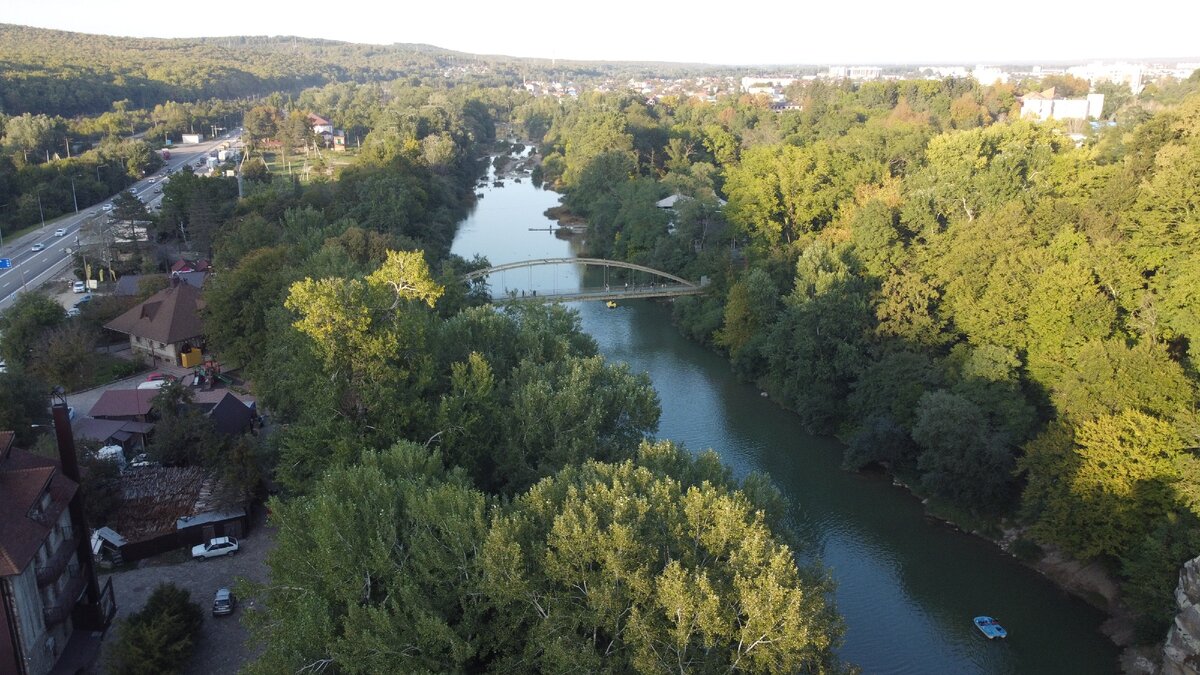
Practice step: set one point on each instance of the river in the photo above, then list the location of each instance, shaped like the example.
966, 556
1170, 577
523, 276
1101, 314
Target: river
907, 586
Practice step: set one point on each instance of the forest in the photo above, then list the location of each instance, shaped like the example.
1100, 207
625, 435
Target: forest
999, 312
60, 73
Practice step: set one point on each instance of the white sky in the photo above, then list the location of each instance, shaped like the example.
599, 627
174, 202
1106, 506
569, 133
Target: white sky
748, 32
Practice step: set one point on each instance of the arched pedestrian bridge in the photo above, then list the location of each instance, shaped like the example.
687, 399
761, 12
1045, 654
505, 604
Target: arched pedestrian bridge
640, 282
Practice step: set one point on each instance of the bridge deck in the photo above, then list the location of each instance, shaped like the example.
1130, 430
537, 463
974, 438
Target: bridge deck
600, 294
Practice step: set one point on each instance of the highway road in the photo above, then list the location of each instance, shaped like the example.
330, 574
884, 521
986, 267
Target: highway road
32, 268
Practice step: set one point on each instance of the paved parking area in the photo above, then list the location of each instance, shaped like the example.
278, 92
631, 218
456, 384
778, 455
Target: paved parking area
221, 646
83, 401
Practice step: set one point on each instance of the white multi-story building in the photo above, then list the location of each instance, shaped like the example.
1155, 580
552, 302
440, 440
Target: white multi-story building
989, 75
854, 72
1047, 105
1130, 74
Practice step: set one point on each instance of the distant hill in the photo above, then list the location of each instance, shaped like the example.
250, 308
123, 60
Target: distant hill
65, 73
59, 72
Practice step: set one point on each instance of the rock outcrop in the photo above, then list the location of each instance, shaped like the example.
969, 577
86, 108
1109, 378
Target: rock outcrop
1181, 654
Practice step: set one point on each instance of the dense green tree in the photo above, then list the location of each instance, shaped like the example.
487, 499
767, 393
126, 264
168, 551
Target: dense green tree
128, 207
24, 326
65, 357
565, 412
376, 570
1110, 377
261, 123
617, 568
1100, 487
183, 435
160, 637
960, 458
24, 402
236, 303
749, 309
816, 347
31, 133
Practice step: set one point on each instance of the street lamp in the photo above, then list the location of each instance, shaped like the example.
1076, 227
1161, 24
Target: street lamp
40, 212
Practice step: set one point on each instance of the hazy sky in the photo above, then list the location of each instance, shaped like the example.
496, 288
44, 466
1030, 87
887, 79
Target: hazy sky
746, 32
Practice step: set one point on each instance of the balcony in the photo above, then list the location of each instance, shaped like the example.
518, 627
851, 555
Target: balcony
49, 571
54, 614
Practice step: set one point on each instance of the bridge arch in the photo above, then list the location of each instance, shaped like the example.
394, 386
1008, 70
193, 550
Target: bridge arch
598, 262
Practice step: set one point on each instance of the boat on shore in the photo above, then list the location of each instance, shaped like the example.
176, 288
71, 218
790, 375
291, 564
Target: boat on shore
611, 304
990, 627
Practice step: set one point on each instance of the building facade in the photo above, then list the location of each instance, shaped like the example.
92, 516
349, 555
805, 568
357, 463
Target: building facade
41, 576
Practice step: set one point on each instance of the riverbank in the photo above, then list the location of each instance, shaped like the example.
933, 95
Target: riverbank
1089, 581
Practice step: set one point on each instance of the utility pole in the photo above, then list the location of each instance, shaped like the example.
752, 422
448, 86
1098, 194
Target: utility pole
40, 212
73, 199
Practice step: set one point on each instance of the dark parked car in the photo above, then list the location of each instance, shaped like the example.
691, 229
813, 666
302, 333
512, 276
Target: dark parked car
224, 602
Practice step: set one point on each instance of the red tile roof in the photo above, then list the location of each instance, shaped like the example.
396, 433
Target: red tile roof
182, 265
24, 477
169, 316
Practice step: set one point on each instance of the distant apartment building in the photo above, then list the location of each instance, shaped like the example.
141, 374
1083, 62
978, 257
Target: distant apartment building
939, 72
1130, 74
854, 72
989, 75
1046, 105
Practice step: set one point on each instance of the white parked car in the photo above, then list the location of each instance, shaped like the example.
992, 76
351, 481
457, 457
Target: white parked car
78, 287
215, 547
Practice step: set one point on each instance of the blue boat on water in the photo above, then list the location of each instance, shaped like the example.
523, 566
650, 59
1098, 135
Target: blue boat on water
990, 627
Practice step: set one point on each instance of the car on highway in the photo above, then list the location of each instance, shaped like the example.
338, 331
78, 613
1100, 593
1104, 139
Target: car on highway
106, 207
223, 602
215, 547
60, 232
38, 247
152, 179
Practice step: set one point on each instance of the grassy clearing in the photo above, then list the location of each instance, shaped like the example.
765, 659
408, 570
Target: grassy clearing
109, 368
279, 166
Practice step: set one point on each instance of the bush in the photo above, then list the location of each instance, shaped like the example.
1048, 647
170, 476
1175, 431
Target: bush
1027, 550
159, 639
